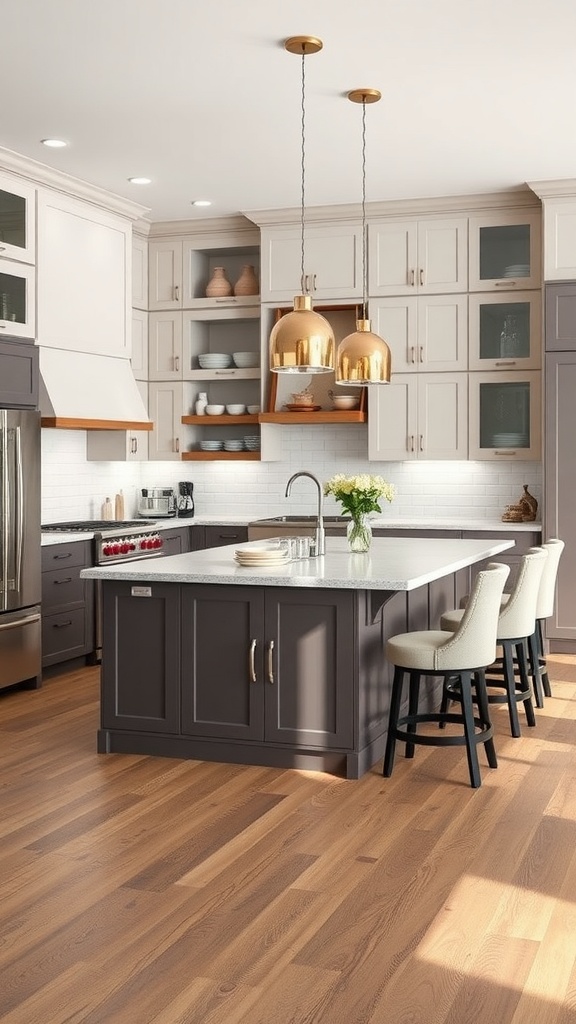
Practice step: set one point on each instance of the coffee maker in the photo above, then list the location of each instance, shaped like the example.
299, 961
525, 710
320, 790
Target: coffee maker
185, 501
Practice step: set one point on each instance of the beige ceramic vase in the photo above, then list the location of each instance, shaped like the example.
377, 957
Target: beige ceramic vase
218, 286
247, 283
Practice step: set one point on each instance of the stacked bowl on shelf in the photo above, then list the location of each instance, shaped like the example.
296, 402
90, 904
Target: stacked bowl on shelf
252, 442
214, 360
211, 446
246, 360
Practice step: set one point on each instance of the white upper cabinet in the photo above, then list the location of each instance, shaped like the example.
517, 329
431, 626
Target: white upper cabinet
332, 267
139, 272
560, 239
505, 251
165, 274
505, 330
84, 277
425, 333
17, 220
426, 256
139, 359
17, 299
418, 418
165, 346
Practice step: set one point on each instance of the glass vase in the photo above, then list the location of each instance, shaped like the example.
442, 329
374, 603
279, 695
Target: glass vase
359, 534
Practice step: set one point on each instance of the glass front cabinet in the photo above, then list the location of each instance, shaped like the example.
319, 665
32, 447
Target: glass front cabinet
17, 221
505, 410
505, 331
505, 252
17, 299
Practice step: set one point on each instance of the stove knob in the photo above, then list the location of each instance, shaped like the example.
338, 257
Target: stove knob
131, 545
157, 542
107, 550
143, 545
116, 549
124, 547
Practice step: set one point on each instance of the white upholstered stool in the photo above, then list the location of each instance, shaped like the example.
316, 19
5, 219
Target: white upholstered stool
516, 623
465, 654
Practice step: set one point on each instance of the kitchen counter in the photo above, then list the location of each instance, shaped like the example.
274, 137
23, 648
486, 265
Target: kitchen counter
206, 659
392, 564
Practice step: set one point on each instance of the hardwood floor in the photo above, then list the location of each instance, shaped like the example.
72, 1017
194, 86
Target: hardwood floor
139, 890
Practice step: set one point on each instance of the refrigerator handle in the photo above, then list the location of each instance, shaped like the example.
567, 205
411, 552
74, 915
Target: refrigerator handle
19, 508
4, 540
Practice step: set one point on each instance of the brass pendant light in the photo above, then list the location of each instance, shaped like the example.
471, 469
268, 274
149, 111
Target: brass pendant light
302, 341
363, 357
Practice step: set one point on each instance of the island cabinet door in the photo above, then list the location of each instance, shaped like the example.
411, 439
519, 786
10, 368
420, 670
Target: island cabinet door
223, 662
141, 662
309, 667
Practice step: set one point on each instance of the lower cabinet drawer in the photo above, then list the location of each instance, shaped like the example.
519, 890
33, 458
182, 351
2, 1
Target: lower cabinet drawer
62, 587
63, 636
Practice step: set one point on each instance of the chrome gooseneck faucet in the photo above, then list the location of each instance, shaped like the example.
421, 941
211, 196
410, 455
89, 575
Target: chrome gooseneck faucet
320, 540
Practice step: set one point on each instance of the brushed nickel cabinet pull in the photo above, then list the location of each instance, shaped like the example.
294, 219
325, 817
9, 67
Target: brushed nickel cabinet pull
506, 284
58, 583
507, 452
176, 292
411, 443
421, 442
412, 279
271, 662
177, 363
421, 353
313, 282
177, 444
507, 362
251, 663
421, 276
412, 354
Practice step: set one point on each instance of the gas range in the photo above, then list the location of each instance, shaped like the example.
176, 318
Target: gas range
115, 540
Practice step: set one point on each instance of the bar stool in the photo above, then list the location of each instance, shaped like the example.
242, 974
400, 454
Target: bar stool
465, 653
516, 623
544, 609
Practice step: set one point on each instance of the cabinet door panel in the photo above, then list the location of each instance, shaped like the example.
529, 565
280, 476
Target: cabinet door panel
442, 416
165, 275
220, 694
165, 408
165, 346
561, 317
393, 256
393, 420
443, 255
442, 333
308, 672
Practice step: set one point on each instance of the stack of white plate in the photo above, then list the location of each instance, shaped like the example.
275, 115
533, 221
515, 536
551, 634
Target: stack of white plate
214, 360
211, 446
234, 445
252, 442
257, 558
517, 270
246, 360
511, 440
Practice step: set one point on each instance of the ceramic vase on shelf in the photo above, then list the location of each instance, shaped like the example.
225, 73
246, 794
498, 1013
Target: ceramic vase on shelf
247, 283
529, 505
218, 286
359, 534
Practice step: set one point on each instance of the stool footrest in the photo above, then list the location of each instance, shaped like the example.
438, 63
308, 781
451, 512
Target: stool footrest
485, 730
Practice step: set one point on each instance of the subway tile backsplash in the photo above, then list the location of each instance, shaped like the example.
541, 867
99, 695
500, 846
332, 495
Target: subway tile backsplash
73, 488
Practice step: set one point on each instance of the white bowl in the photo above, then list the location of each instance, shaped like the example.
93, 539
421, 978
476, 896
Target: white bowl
253, 409
345, 402
246, 360
235, 410
215, 410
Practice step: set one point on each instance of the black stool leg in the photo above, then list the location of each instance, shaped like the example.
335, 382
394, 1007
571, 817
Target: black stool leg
412, 709
542, 659
484, 715
395, 702
525, 683
468, 715
535, 670
509, 682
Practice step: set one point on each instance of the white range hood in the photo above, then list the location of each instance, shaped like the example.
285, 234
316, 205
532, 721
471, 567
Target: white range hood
83, 391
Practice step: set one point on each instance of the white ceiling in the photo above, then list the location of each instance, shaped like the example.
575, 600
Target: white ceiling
477, 95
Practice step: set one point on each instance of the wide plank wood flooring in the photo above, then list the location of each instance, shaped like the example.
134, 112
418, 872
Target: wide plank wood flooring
139, 890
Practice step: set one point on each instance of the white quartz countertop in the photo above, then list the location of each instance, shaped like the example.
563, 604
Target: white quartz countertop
391, 564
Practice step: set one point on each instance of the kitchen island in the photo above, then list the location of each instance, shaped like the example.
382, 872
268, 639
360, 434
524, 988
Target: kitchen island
283, 666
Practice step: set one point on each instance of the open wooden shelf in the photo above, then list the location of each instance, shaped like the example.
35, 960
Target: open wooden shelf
220, 456
322, 416
207, 421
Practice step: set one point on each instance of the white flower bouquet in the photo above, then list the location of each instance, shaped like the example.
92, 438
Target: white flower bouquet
361, 494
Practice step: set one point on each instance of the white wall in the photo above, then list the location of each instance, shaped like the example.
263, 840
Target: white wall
73, 488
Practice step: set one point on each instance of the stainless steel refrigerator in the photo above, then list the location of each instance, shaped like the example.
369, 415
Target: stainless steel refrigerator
20, 580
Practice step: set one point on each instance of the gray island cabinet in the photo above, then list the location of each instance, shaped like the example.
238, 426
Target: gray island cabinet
209, 660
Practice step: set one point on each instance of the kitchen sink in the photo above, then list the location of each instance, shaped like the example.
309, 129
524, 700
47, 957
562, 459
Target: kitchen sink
301, 519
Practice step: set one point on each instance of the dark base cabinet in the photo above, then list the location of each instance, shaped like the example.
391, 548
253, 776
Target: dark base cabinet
67, 603
286, 677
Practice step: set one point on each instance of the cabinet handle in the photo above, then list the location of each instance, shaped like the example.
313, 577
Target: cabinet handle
506, 284
421, 353
507, 452
271, 662
176, 292
133, 445
412, 354
58, 583
412, 277
227, 301
224, 373
68, 555
251, 665
411, 443
421, 276
177, 363
421, 442
508, 362
177, 444
313, 282
62, 625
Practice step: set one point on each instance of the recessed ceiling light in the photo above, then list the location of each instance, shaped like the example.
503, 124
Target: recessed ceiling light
54, 143
201, 202
140, 181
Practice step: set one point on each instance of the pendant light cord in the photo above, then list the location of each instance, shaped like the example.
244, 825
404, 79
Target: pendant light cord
302, 166
364, 281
